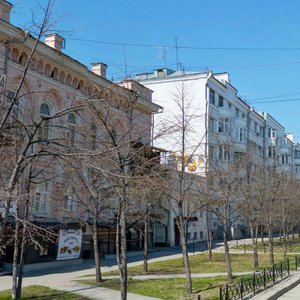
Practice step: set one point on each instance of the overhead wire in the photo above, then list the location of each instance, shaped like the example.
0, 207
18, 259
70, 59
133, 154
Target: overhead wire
189, 47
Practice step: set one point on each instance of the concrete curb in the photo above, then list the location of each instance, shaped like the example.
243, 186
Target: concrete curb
279, 289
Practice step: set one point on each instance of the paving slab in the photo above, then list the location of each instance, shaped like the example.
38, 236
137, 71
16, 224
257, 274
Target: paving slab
279, 289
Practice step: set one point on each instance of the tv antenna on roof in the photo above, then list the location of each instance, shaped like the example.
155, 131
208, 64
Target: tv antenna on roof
176, 49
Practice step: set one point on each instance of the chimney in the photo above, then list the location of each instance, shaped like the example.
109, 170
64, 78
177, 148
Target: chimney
54, 40
5, 8
99, 69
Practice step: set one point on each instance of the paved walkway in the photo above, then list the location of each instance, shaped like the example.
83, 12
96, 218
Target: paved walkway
64, 279
293, 294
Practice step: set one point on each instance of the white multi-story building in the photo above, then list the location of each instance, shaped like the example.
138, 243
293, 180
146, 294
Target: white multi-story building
222, 126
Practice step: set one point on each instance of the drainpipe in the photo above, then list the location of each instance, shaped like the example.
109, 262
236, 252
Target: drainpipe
209, 74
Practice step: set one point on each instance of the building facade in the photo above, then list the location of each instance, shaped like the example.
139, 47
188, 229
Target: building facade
222, 127
49, 105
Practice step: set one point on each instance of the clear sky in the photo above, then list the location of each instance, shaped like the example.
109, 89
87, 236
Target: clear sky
256, 41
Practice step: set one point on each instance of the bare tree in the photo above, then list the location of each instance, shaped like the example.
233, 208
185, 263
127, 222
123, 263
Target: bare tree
185, 181
287, 209
225, 179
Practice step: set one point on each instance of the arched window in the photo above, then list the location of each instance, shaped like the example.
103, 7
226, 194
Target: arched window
62, 77
44, 109
54, 73
41, 67
69, 79
23, 59
48, 70
44, 129
15, 55
72, 128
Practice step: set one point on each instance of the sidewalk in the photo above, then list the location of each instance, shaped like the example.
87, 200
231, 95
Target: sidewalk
279, 289
64, 279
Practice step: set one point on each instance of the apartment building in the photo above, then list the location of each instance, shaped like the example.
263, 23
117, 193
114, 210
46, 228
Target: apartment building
223, 127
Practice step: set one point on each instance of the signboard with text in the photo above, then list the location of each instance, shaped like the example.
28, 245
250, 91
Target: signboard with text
69, 244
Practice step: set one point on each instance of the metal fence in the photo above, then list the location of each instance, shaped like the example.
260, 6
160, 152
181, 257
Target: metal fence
291, 246
258, 281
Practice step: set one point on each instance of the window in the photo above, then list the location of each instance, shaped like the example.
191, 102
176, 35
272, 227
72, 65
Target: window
211, 152
240, 135
260, 151
220, 152
44, 129
237, 113
238, 156
256, 128
297, 169
223, 152
93, 137
39, 204
212, 125
188, 236
221, 101
297, 153
72, 131
195, 236
284, 159
201, 235
226, 125
223, 125
261, 131
68, 203
271, 133
229, 105
212, 96
271, 151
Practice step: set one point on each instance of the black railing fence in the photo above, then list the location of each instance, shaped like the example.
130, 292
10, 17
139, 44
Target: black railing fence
291, 246
258, 281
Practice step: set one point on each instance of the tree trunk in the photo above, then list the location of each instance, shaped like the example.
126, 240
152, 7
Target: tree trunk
209, 236
14, 289
186, 262
271, 245
227, 255
146, 244
123, 253
21, 263
284, 243
96, 252
254, 245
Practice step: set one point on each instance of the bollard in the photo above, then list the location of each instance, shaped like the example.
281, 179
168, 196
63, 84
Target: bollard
264, 278
244, 248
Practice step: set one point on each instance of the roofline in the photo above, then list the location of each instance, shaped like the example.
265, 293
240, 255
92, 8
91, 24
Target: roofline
8, 30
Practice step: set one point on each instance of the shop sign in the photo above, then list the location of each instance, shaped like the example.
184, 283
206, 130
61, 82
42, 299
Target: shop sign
69, 244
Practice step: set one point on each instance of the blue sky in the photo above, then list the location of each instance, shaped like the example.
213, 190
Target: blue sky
263, 35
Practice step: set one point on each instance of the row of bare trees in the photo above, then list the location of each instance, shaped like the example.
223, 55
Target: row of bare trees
114, 174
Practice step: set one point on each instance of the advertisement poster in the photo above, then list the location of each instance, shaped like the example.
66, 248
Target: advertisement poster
69, 244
